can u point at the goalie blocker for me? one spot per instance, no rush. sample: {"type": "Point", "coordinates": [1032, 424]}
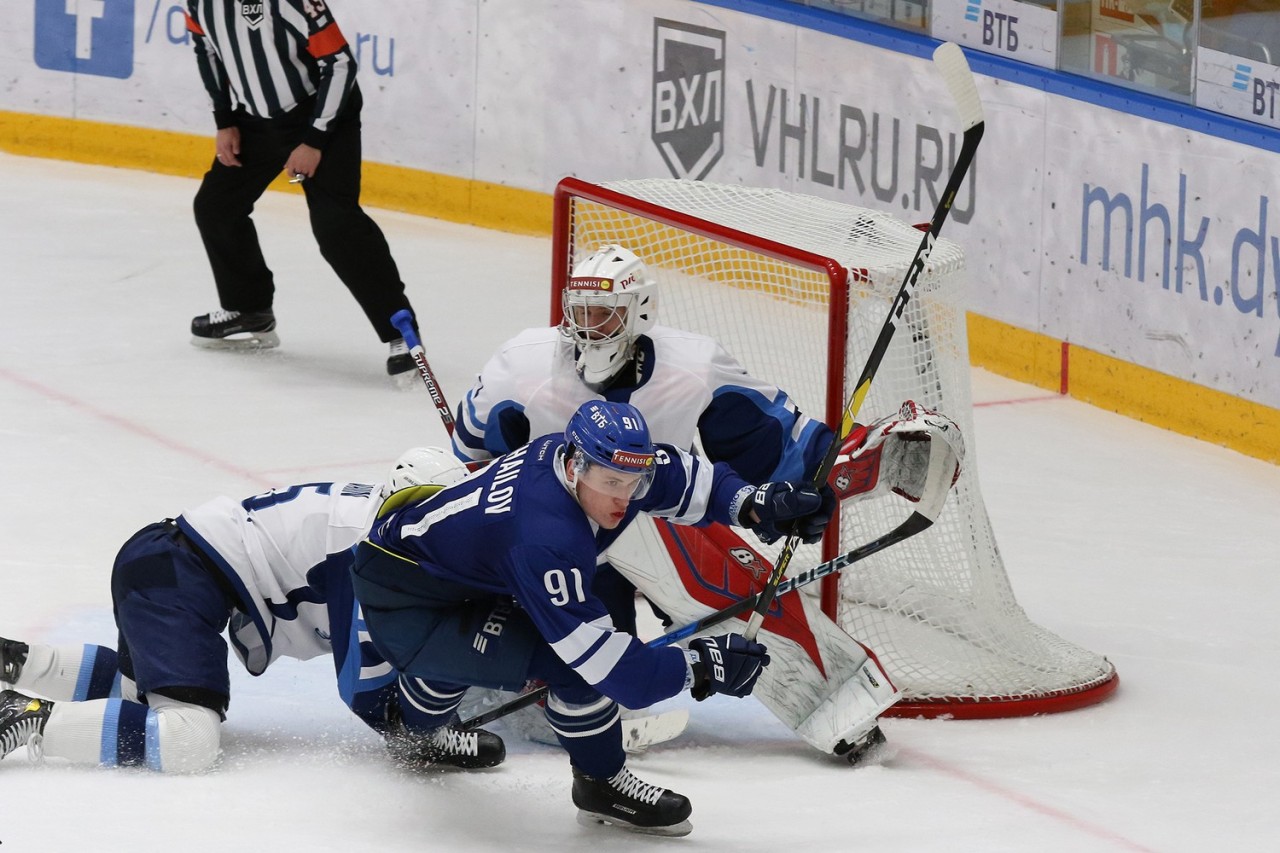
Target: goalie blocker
{"type": "Point", "coordinates": [822, 683]}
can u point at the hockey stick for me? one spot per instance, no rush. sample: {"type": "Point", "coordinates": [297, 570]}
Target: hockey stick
{"type": "Point", "coordinates": [959, 81]}
{"type": "Point", "coordinates": [403, 321]}
{"type": "Point", "coordinates": [933, 494]}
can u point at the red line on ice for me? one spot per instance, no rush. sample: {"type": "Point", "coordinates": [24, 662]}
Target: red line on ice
{"type": "Point", "coordinates": [130, 426]}
{"type": "Point", "coordinates": [1017, 400]}
{"type": "Point", "coordinates": [1023, 800]}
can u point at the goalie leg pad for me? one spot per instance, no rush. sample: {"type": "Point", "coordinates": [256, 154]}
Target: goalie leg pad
{"type": "Point", "coordinates": [871, 692]}
{"type": "Point", "coordinates": [816, 682]}
{"type": "Point", "coordinates": [842, 704]}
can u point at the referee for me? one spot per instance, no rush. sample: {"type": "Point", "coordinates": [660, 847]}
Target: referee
{"type": "Point", "coordinates": [282, 80]}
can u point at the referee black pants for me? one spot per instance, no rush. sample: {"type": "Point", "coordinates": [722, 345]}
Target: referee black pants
{"type": "Point", "coordinates": [349, 240]}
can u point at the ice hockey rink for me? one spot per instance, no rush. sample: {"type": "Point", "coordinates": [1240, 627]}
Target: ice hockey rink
{"type": "Point", "coordinates": [1157, 550]}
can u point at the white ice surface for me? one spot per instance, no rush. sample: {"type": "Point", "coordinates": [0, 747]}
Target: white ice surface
{"type": "Point", "coordinates": [1156, 550]}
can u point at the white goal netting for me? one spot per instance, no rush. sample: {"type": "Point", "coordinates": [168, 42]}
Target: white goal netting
{"type": "Point", "coordinates": [744, 265]}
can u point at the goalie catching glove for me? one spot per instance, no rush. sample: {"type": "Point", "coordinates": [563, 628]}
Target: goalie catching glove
{"type": "Point", "coordinates": [728, 664]}
{"type": "Point", "coordinates": [776, 509]}
{"type": "Point", "coordinates": [893, 454]}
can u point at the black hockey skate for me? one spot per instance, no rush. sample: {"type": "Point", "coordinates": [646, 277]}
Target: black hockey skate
{"type": "Point", "coordinates": [21, 719]}
{"type": "Point", "coordinates": [447, 746]}
{"type": "Point", "coordinates": [866, 749]}
{"type": "Point", "coordinates": [12, 657]}
{"type": "Point", "coordinates": [627, 802]}
{"type": "Point", "coordinates": [235, 330]}
{"type": "Point", "coordinates": [399, 360]}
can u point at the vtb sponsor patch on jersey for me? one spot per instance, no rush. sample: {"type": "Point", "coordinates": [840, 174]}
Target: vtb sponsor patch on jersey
{"type": "Point", "coordinates": [688, 96]}
{"type": "Point", "coordinates": [493, 625]}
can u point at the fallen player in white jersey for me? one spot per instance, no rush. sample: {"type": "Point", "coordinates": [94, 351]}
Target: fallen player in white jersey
{"type": "Point", "coordinates": [274, 571]}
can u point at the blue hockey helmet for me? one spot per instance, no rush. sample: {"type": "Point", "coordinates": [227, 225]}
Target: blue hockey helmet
{"type": "Point", "coordinates": [614, 436]}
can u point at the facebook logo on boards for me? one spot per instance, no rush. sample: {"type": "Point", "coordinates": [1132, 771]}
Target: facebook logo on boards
{"type": "Point", "coordinates": [85, 36]}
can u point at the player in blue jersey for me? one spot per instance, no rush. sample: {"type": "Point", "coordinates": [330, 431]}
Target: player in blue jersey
{"type": "Point", "coordinates": [489, 583]}
{"type": "Point", "coordinates": [275, 569]}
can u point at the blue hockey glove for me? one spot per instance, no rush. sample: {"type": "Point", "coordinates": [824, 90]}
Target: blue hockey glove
{"type": "Point", "coordinates": [779, 508]}
{"type": "Point", "coordinates": [728, 664]}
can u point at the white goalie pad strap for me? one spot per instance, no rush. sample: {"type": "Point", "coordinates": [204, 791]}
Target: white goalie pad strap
{"type": "Point", "coordinates": [894, 455]}
{"type": "Point", "coordinates": [848, 714]}
{"type": "Point", "coordinates": [819, 681]}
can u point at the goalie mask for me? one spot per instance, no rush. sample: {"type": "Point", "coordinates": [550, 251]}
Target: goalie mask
{"type": "Point", "coordinates": [609, 300]}
{"type": "Point", "coordinates": [608, 439]}
{"type": "Point", "coordinates": [424, 466]}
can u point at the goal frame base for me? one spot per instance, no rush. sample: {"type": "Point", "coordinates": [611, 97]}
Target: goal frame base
{"type": "Point", "coordinates": [1002, 707]}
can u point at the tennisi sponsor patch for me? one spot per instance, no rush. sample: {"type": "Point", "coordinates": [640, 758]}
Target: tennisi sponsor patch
{"type": "Point", "coordinates": [591, 283]}
{"type": "Point", "coordinates": [626, 459]}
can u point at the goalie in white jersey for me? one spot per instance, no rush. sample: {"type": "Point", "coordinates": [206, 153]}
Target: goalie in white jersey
{"type": "Point", "coordinates": [273, 570]}
{"type": "Point", "coordinates": [609, 346]}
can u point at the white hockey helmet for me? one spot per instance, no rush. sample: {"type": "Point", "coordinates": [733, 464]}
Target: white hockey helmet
{"type": "Point", "coordinates": [608, 301]}
{"type": "Point", "coordinates": [422, 466]}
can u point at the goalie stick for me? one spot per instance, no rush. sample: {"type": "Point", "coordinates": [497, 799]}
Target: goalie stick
{"type": "Point", "coordinates": [964, 93]}
{"type": "Point", "coordinates": [942, 462]}
{"type": "Point", "coordinates": [403, 321]}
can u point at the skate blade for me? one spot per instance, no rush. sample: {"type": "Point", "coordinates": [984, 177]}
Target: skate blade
{"type": "Point", "coordinates": [244, 341]}
{"type": "Point", "coordinates": [675, 830]}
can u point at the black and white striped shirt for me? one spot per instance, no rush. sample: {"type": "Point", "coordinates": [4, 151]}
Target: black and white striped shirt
{"type": "Point", "coordinates": [268, 56]}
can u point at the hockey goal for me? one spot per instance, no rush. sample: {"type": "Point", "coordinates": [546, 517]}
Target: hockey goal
{"type": "Point", "coordinates": [797, 289]}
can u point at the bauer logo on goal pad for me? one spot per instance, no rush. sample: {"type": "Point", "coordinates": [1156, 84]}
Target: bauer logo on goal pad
{"type": "Point", "coordinates": [688, 97]}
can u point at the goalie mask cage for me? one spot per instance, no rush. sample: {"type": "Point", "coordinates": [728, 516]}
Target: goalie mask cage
{"type": "Point", "coordinates": [797, 288]}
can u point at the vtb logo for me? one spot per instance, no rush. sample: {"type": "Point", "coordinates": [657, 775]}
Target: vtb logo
{"type": "Point", "coordinates": [688, 97]}
{"type": "Point", "coordinates": [85, 36]}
